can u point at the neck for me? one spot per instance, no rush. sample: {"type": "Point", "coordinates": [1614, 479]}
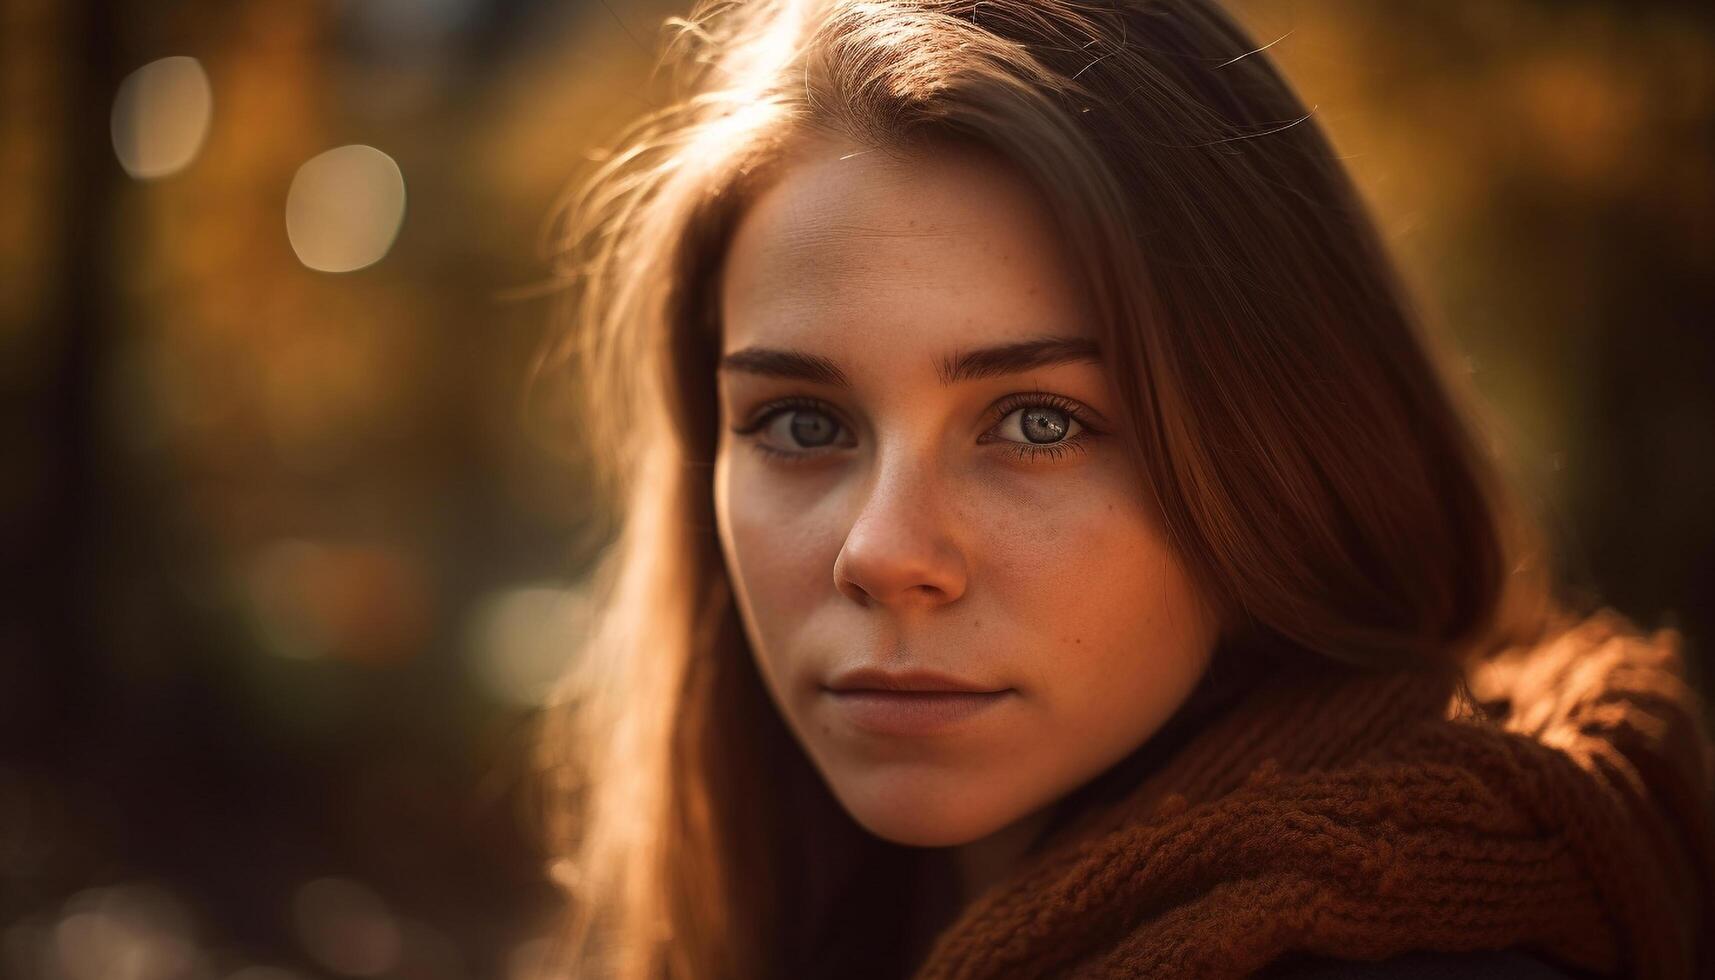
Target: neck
{"type": "Point", "coordinates": [953, 877]}
{"type": "Point", "coordinates": [981, 864]}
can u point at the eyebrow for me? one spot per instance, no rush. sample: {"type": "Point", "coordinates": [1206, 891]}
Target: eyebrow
{"type": "Point", "coordinates": [969, 365]}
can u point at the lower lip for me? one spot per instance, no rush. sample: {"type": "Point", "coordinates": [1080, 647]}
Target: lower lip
{"type": "Point", "coordinates": [914, 712]}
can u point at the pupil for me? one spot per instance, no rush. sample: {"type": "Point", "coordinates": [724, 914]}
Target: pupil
{"type": "Point", "coordinates": [1048, 423]}
{"type": "Point", "coordinates": [812, 433]}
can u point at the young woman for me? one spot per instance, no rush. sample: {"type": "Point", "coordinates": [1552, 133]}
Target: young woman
{"type": "Point", "coordinates": [1051, 546]}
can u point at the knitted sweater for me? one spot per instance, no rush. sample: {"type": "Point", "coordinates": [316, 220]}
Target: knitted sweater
{"type": "Point", "coordinates": [1482, 964]}
{"type": "Point", "coordinates": [1556, 799]}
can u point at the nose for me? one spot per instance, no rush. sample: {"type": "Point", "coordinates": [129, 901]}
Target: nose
{"type": "Point", "coordinates": [902, 549]}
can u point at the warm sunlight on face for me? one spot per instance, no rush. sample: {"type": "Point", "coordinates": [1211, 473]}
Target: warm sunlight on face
{"type": "Point", "coordinates": [891, 497]}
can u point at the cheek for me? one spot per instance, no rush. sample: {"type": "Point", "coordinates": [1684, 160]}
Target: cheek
{"type": "Point", "coordinates": [769, 546]}
{"type": "Point", "coordinates": [1117, 622]}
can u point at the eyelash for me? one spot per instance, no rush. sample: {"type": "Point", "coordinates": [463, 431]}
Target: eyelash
{"type": "Point", "coordinates": [1005, 407]}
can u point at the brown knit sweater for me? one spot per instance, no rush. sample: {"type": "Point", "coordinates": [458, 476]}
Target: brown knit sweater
{"type": "Point", "coordinates": [1562, 801]}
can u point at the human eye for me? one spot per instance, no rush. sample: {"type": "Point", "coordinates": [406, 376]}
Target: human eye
{"type": "Point", "coordinates": [806, 422]}
{"type": "Point", "coordinates": [1047, 426]}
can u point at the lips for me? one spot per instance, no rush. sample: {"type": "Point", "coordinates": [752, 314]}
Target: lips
{"type": "Point", "coordinates": [914, 702]}
{"type": "Point", "coordinates": [907, 681]}
{"type": "Point", "coordinates": [915, 713]}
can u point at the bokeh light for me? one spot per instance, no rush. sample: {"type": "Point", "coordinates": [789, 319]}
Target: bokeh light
{"type": "Point", "coordinates": [161, 117]}
{"type": "Point", "coordinates": [347, 927]}
{"type": "Point", "coordinates": [345, 208]}
{"type": "Point", "coordinates": [522, 639]}
{"type": "Point", "coordinates": [362, 603]}
{"type": "Point", "coordinates": [132, 931]}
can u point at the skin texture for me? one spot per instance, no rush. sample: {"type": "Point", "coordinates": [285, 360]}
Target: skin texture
{"type": "Point", "coordinates": [910, 535]}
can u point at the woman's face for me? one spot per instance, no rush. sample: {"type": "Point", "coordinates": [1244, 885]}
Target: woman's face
{"type": "Point", "coordinates": [885, 499]}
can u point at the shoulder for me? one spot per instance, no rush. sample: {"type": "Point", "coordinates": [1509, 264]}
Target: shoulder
{"type": "Point", "coordinates": [1490, 964]}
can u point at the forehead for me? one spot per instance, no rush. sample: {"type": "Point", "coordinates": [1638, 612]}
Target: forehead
{"type": "Point", "coordinates": [856, 254]}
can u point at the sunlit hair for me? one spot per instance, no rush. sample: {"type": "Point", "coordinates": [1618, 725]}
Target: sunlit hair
{"type": "Point", "coordinates": [1317, 465]}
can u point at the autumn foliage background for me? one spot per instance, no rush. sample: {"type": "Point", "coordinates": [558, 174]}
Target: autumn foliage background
{"type": "Point", "coordinates": [291, 554]}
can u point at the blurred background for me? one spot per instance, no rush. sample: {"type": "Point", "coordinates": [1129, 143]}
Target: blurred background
{"type": "Point", "coordinates": [290, 559]}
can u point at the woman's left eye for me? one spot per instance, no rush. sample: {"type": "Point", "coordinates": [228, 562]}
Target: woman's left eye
{"type": "Point", "coordinates": [1036, 426]}
{"type": "Point", "coordinates": [1044, 425]}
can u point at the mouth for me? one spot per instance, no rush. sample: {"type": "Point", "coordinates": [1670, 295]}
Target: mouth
{"type": "Point", "coordinates": [914, 713]}
{"type": "Point", "coordinates": [907, 682]}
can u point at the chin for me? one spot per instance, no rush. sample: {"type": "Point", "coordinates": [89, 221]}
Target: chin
{"type": "Point", "coordinates": [946, 815]}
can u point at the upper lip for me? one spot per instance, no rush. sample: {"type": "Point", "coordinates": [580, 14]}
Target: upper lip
{"type": "Point", "coordinates": [876, 679]}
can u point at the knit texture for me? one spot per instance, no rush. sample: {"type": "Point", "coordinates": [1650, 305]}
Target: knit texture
{"type": "Point", "coordinates": [1561, 801]}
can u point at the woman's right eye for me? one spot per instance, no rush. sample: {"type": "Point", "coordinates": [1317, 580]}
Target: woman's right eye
{"type": "Point", "coordinates": [804, 427]}
{"type": "Point", "coordinates": [792, 431]}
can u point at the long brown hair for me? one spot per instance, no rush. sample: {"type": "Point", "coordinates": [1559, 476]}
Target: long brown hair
{"type": "Point", "coordinates": [1315, 462]}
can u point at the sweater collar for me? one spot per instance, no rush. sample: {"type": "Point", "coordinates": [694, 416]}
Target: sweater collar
{"type": "Point", "coordinates": [1556, 797]}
